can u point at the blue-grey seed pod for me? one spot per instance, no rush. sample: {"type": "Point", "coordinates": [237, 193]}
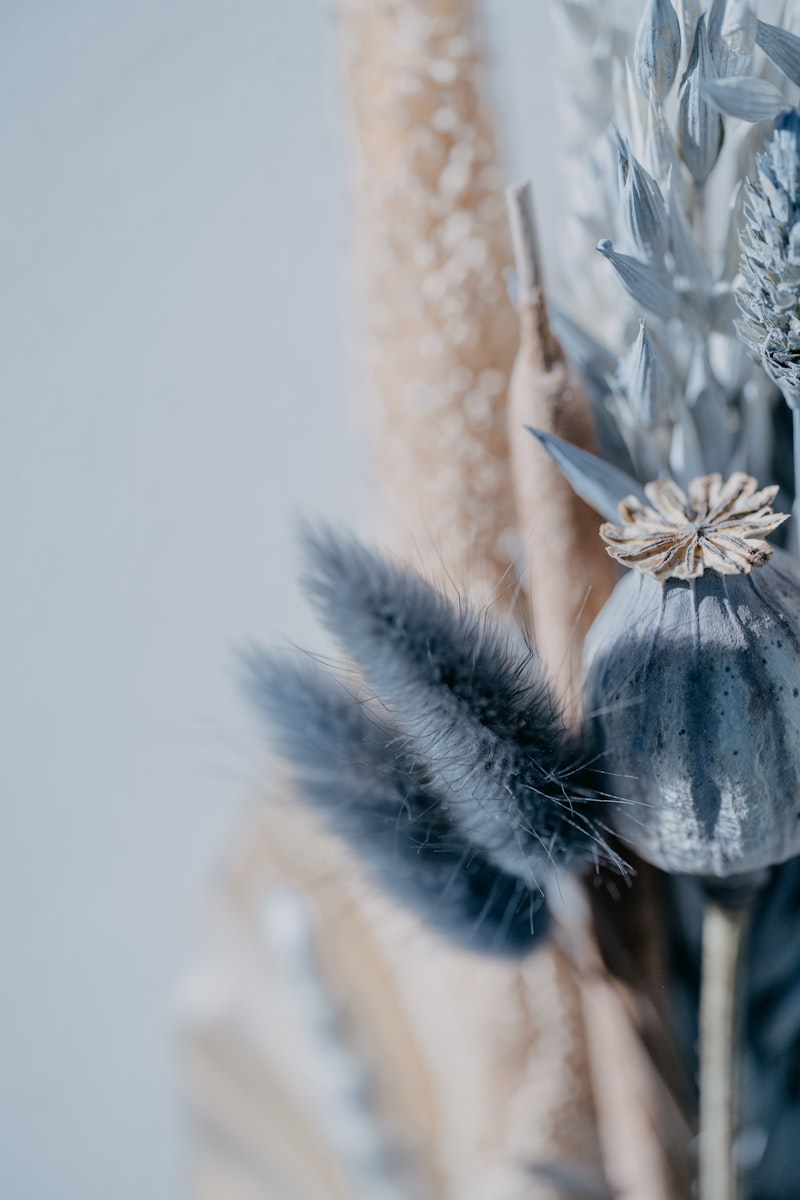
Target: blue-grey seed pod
{"type": "Point", "coordinates": [657, 48]}
{"type": "Point", "coordinates": [693, 680]}
{"type": "Point", "coordinates": [645, 212]}
{"type": "Point", "coordinates": [700, 128]}
{"type": "Point", "coordinates": [731, 35]}
{"type": "Point", "coordinates": [647, 383]}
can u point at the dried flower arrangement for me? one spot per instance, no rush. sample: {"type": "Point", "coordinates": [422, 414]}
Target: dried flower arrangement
{"type": "Point", "coordinates": [637, 807]}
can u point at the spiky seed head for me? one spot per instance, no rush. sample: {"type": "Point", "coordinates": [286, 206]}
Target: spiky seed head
{"type": "Point", "coordinates": [769, 289]}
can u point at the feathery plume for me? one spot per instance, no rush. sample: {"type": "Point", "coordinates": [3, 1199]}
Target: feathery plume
{"type": "Point", "coordinates": [433, 244]}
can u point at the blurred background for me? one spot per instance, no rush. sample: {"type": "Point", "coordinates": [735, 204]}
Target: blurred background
{"type": "Point", "coordinates": [181, 380]}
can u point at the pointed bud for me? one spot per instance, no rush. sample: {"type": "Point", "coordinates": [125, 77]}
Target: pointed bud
{"type": "Point", "coordinates": [700, 129]}
{"type": "Point", "coordinates": [657, 48]}
{"type": "Point", "coordinates": [647, 383]}
{"type": "Point", "coordinates": [645, 213]}
{"type": "Point", "coordinates": [782, 47]}
{"type": "Point", "coordinates": [747, 97]}
{"type": "Point", "coordinates": [616, 142]}
{"type": "Point", "coordinates": [690, 11]}
{"type": "Point", "coordinates": [648, 286]}
{"type": "Point", "coordinates": [731, 36]}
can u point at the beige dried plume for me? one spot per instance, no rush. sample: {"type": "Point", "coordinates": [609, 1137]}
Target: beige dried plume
{"type": "Point", "coordinates": [432, 243]}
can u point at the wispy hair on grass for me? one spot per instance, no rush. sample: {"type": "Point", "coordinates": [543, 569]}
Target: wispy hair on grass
{"type": "Point", "coordinates": [452, 769]}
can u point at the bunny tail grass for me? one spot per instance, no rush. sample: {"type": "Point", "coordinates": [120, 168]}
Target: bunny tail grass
{"type": "Point", "coordinates": [474, 704]}
{"type": "Point", "coordinates": [354, 768]}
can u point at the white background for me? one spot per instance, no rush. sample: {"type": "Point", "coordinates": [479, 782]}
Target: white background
{"type": "Point", "coordinates": [179, 380]}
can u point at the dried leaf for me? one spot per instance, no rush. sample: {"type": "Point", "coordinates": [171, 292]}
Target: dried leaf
{"type": "Point", "coordinates": [746, 96]}
{"type": "Point", "coordinates": [782, 47]}
{"type": "Point", "coordinates": [731, 36]}
{"type": "Point", "coordinates": [598, 483]}
{"type": "Point", "coordinates": [647, 285]}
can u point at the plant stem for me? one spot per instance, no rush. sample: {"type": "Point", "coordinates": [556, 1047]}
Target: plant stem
{"type": "Point", "coordinates": [796, 505]}
{"type": "Point", "coordinates": [527, 256]}
{"type": "Point", "coordinates": [724, 928]}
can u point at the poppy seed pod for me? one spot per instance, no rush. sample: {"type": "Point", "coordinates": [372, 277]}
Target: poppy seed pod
{"type": "Point", "coordinates": [692, 688]}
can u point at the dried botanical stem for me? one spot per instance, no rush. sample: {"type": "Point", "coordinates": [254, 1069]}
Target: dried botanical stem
{"type": "Point", "coordinates": [569, 575]}
{"type": "Point", "coordinates": [523, 235]}
{"type": "Point", "coordinates": [796, 505]}
{"type": "Point", "coordinates": [724, 930]}
{"type": "Point", "coordinates": [636, 1117]}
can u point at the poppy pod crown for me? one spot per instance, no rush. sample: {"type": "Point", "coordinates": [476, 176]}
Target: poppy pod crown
{"type": "Point", "coordinates": [693, 679]}
{"type": "Point", "coordinates": [692, 672]}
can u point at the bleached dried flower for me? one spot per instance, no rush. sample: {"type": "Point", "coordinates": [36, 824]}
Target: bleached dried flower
{"type": "Point", "coordinates": [769, 292]}
{"type": "Point", "coordinates": [717, 527]}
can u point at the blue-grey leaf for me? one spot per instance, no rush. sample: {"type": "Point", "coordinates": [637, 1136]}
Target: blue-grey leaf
{"type": "Point", "coordinates": [602, 486]}
{"type": "Point", "coordinates": [595, 365]}
{"type": "Point", "coordinates": [782, 47]}
{"type": "Point", "coordinates": [657, 48]}
{"type": "Point", "coordinates": [700, 128]}
{"type": "Point", "coordinates": [648, 286]}
{"type": "Point", "coordinates": [587, 354]}
{"type": "Point", "coordinates": [747, 97]}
